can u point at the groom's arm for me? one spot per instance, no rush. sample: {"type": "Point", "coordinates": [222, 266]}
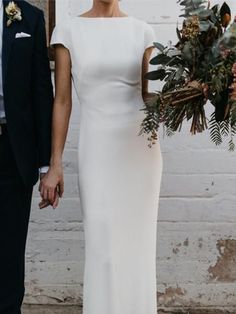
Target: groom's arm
{"type": "Point", "coordinates": [42, 92]}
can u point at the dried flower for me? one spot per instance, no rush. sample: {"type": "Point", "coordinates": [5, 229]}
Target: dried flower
{"type": "Point", "coordinates": [224, 52]}
{"type": "Point", "coordinates": [13, 13]}
{"type": "Point", "coordinates": [191, 27]}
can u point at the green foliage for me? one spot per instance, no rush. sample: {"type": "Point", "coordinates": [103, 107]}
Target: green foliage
{"type": "Point", "coordinates": [193, 7]}
{"type": "Point", "coordinates": [159, 74]}
{"type": "Point", "coordinates": [196, 61]}
{"type": "Point", "coordinates": [152, 119]}
{"type": "Point", "coordinates": [215, 131]}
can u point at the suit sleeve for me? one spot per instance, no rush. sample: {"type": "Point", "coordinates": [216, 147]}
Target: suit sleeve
{"type": "Point", "coordinates": [42, 90]}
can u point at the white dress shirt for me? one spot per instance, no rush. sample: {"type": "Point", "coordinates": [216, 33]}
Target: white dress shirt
{"type": "Point", "coordinates": [2, 109]}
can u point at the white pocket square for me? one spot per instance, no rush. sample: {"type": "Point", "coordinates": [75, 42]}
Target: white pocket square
{"type": "Point", "coordinates": [22, 35]}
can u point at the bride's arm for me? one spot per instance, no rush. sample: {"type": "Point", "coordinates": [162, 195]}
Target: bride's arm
{"type": "Point", "coordinates": [61, 116]}
{"type": "Point", "coordinates": [62, 104]}
{"type": "Point", "coordinates": [145, 68]}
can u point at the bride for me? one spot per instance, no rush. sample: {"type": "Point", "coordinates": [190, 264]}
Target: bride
{"type": "Point", "coordinates": [106, 53]}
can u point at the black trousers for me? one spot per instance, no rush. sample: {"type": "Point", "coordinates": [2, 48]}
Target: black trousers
{"type": "Point", "coordinates": [15, 203]}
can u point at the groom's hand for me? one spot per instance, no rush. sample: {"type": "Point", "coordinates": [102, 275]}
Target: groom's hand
{"type": "Point", "coordinates": [45, 203]}
{"type": "Point", "coordinates": [52, 186]}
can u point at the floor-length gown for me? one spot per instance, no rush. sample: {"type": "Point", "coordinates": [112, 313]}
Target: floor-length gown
{"type": "Point", "coordinates": [119, 175]}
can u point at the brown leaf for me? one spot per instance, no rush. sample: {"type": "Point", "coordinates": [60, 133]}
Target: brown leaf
{"type": "Point", "coordinates": [225, 14]}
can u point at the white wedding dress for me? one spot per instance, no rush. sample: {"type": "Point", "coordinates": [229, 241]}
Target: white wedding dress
{"type": "Point", "coordinates": [119, 175]}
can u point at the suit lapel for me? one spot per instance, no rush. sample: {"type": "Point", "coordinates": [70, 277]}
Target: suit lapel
{"type": "Point", "coordinates": [8, 38]}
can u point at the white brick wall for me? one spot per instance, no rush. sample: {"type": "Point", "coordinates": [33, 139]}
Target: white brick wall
{"type": "Point", "coordinates": [197, 218]}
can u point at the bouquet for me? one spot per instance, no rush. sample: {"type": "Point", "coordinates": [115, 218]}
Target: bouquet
{"type": "Point", "coordinates": [200, 67]}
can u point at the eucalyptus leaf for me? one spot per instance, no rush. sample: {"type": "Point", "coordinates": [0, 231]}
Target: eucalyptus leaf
{"type": "Point", "coordinates": [215, 8]}
{"type": "Point", "coordinates": [170, 76]}
{"type": "Point", "coordinates": [175, 61]}
{"type": "Point", "coordinates": [159, 46]}
{"type": "Point", "coordinates": [225, 9]}
{"type": "Point", "coordinates": [204, 26]}
{"type": "Point", "coordinates": [179, 73]}
{"type": "Point", "coordinates": [205, 13]}
{"type": "Point", "coordinates": [160, 59]}
{"type": "Point", "coordinates": [156, 75]}
{"type": "Point", "coordinates": [214, 18]}
{"type": "Point", "coordinates": [187, 52]}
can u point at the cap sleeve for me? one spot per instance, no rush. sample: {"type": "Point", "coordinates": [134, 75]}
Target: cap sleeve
{"type": "Point", "coordinates": [149, 36]}
{"type": "Point", "coordinates": [61, 35]}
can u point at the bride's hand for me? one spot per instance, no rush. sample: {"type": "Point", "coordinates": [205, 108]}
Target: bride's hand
{"type": "Point", "coordinates": [52, 185]}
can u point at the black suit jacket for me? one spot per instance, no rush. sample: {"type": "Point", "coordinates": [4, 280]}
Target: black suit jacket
{"type": "Point", "coordinates": [28, 91]}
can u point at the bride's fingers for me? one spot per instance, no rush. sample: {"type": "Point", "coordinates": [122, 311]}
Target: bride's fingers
{"type": "Point", "coordinates": [43, 204]}
{"type": "Point", "coordinates": [51, 195]}
{"type": "Point", "coordinates": [45, 194]}
{"type": "Point", "coordinates": [61, 188]}
{"type": "Point", "coordinates": [56, 202]}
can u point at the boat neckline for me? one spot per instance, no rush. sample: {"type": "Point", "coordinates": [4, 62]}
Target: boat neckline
{"type": "Point", "coordinates": [104, 17]}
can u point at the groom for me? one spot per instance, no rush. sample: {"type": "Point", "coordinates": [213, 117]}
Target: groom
{"type": "Point", "coordinates": [26, 99]}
